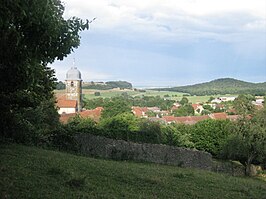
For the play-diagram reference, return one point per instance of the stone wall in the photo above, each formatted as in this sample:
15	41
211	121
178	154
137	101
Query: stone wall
233	168
121	150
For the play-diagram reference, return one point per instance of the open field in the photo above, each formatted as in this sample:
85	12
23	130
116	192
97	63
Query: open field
29	172
89	94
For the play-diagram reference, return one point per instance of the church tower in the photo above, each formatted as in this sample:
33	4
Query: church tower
73	86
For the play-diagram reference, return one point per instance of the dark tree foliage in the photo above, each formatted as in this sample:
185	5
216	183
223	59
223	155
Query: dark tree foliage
60	85
210	135
97	94
183	101
32	34
186	110
150	132
109	85
115	106
243	104
119	84
247	143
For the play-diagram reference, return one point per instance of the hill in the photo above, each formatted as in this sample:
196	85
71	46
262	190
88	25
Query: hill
29	172
222	86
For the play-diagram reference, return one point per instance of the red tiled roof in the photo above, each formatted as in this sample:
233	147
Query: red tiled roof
231	111
175	107
199	118
185	119
195	106
139	111
63	103
65	117
232	117
94	114
218	116
169	118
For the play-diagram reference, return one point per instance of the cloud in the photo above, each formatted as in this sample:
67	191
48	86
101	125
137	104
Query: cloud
170	41
86	74
240	23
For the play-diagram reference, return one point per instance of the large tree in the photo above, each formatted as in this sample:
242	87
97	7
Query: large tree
33	33
248	141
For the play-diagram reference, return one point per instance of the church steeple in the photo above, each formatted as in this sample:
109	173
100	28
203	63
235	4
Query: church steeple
73	86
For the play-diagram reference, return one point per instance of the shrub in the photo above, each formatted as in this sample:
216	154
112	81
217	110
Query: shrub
97	93
122	126
150	132
177	135
82	125
211	135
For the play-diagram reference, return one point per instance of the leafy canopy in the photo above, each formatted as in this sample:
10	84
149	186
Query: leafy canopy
32	34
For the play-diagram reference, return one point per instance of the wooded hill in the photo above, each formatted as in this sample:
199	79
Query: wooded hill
108	85
221	86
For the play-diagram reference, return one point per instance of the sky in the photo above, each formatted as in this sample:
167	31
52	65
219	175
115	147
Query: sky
161	43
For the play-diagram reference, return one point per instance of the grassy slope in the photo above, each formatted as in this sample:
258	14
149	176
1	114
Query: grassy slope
28	172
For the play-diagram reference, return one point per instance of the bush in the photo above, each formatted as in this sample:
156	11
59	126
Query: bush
211	135
82	125
122	126
177	135
150	132
97	93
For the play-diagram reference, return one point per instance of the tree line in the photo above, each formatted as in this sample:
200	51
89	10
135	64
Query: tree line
109	85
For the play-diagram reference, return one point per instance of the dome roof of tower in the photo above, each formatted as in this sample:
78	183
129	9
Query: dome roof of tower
73	74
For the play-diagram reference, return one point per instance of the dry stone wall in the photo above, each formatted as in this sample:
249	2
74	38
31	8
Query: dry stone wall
230	167
121	150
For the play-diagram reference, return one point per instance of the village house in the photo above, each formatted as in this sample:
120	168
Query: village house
197	108
66	106
223	99
139	111
258	103
94	114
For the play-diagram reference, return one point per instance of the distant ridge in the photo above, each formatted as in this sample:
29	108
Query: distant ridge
221	86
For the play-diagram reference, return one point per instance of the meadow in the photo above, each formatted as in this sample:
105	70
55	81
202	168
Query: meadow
30	172
89	94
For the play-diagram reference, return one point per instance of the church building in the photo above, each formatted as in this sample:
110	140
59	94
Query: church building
71	102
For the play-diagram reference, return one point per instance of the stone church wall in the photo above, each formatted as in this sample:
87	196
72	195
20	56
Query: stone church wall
97	146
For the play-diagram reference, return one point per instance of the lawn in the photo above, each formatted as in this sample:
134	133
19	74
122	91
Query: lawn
29	172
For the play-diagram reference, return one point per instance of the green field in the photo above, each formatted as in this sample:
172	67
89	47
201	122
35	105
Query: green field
89	94
29	172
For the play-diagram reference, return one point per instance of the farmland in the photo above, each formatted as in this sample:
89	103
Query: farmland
89	94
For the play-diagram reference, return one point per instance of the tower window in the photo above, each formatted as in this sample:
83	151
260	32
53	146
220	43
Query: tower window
72	84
